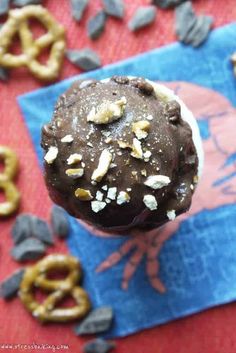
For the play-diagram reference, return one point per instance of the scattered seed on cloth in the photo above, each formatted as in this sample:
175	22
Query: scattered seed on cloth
143	17
22	228
165	4
114	8
96	25
28	249
41	231
200	31
98	345
99	320
185	20
4	73
60	222
86	59
10	286
4	7
21	3
27	225
77	8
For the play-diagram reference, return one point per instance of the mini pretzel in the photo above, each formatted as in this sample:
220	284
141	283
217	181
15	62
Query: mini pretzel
55	37
12	195
36	277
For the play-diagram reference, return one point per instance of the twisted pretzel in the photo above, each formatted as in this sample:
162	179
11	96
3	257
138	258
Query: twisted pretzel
55	37
11	193
36	277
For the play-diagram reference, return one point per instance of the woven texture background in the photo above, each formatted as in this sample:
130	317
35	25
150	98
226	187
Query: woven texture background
212	331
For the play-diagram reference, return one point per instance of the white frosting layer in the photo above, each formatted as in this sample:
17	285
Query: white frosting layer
186	114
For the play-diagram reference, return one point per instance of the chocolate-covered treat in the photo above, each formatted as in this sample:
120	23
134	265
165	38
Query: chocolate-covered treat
122	153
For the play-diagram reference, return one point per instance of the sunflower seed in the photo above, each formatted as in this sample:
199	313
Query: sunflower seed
99	320
60	222
28	249
114	8
22	228
86	59
77	8
96	25
10	286
98	345
143	17
200	31
165	4
4	73
185	20
4	7
21	3
27	225
41	231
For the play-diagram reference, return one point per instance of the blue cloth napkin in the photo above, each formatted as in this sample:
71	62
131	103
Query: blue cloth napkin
198	264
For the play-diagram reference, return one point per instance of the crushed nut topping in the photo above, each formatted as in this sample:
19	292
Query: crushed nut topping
150	202
89	144
107	112
137	149
74	158
112	165
123	197
75	173
67	139
99	196
51	155
97	206
141	129
149	117
147	156
111	194
103	166
157	181
108	140
144	172
83	194
171	215
123	144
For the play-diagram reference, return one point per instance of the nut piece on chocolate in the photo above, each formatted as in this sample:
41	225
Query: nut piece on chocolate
128	163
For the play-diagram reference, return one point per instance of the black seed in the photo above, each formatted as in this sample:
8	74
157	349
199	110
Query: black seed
165	4
200	31
10	286
98	345
114	8
4	7
144	86
77	8
86	59
143	17
96	25
22	228
120	79
99	320
21	3
185	20
60	222
41	231
172	111
29	249
4	74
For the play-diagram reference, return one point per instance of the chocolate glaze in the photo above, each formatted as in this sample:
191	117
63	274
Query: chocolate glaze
169	140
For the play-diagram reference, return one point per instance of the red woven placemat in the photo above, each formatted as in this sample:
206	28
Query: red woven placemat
211	331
